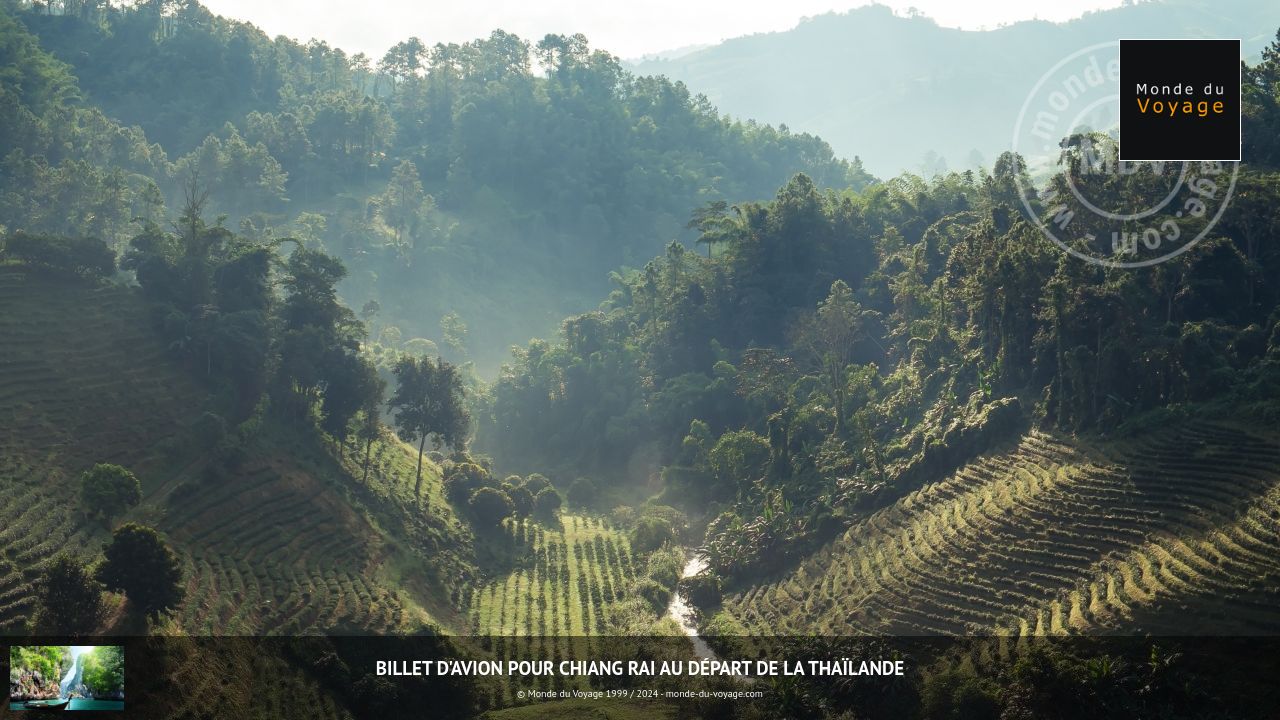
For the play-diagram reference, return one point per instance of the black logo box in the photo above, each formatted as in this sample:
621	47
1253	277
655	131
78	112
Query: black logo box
1185	64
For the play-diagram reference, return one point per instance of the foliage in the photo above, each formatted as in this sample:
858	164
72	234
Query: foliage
522	500
428	403
491	506
104	670
109	490
140	564
70	598
547	502
651	533
81	257
47	660
583	492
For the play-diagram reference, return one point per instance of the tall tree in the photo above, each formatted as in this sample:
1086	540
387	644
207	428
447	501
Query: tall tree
140	564
829	336
428	403
70	598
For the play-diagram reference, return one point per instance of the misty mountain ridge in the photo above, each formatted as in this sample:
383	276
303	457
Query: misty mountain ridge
951	92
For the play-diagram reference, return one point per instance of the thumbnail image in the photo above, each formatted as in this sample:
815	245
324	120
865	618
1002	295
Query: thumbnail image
66	677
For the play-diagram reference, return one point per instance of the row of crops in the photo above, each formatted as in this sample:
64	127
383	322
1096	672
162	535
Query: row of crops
1049	539
81	381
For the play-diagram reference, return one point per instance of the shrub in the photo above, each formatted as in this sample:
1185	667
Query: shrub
654	593
651	533
522	499
703	590
536	483
109	490
583	492
490	506
665	567
209	430
82	257
463	479
548	502
959	695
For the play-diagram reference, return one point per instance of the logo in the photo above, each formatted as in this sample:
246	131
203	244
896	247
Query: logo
1094	206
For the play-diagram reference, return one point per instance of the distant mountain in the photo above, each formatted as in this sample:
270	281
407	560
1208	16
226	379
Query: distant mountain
892	89
672	54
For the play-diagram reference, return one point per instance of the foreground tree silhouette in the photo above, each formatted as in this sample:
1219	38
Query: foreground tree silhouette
428	403
140	564
70	598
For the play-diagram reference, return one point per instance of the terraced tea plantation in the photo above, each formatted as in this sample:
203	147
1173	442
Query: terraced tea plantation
569	577
274	552
82	380
1050	539
271	549
553	606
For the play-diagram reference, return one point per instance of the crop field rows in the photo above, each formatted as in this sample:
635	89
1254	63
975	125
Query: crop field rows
553	606
72	357
563	588
265	556
1047	540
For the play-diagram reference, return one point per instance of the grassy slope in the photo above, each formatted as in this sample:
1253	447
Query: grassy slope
1172	533
291	541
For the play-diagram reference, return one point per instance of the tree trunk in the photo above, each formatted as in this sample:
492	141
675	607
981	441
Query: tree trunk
368	447
417	485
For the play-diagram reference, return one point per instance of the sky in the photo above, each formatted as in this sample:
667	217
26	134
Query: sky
629	29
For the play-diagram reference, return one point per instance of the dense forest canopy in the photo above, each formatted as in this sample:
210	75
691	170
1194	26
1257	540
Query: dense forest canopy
253	290
498	180
834	349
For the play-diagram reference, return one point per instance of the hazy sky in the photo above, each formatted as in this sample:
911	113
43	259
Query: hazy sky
628	28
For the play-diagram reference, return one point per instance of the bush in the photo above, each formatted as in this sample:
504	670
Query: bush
490	506
665	566
583	492
956	695
522	499
209	430
536	483
82	257
703	590
651	533
654	593
548	502
109	490
463	479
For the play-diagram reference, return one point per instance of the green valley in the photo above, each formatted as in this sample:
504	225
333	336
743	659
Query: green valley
315	364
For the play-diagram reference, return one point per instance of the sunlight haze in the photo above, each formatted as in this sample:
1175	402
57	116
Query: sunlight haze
629	30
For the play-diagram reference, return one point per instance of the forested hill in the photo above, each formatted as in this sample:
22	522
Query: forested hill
836	352
476	197
897	89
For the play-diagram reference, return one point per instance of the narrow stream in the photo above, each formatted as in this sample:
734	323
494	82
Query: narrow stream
684	614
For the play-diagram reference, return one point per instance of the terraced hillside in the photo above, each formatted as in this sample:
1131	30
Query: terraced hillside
1053	538
76	388
552	606
285	544
573	572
